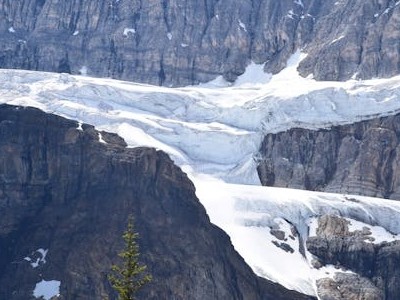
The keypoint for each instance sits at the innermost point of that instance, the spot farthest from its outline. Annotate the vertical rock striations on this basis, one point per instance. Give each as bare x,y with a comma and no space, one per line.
177,42
361,158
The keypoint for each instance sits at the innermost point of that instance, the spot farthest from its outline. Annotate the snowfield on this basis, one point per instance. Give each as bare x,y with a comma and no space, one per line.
213,131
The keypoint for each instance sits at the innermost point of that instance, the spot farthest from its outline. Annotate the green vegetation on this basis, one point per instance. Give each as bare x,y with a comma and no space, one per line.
130,276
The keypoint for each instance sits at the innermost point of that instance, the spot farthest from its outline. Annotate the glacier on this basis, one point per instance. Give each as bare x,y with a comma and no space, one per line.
213,132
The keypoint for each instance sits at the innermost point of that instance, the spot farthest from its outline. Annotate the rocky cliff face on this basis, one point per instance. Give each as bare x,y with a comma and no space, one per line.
361,158
180,42
375,264
65,194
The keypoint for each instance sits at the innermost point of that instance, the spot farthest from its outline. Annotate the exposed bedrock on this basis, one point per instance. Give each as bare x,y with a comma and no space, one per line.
69,189
374,266
361,158
180,42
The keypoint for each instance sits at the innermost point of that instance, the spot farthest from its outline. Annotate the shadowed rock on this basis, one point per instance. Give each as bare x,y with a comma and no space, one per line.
361,158
64,190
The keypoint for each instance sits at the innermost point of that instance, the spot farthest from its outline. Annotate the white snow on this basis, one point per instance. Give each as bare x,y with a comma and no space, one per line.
242,25
213,131
183,45
76,32
291,14
169,35
101,139
299,2
253,76
11,29
83,71
40,260
47,289
337,39
247,213
127,31
377,234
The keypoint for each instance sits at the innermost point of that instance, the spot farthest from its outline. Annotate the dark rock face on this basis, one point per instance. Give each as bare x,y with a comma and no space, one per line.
181,42
63,190
361,158
376,265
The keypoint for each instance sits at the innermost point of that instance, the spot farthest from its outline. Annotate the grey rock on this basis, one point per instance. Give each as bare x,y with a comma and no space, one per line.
284,246
349,287
375,265
360,158
279,234
63,190
186,42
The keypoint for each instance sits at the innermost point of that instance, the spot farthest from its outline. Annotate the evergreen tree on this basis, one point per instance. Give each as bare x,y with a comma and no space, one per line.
130,276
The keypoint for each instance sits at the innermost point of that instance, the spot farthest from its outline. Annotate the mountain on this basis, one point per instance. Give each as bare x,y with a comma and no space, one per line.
215,136
186,42
66,193
239,102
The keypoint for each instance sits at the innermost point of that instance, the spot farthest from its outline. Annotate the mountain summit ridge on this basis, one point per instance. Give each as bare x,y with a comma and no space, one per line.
179,42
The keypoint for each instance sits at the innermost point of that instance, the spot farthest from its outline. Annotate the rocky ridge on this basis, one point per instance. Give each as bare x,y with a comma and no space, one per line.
360,158
374,273
66,192
186,42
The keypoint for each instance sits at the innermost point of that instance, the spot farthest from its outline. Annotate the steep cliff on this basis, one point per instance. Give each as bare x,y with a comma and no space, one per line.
361,158
66,191
180,42
375,264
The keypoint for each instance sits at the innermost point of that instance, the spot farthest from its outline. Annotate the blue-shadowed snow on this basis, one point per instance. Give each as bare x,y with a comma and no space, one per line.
214,131
47,289
40,257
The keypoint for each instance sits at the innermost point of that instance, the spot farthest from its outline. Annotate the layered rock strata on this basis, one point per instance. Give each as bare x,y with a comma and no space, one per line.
361,158
374,272
181,42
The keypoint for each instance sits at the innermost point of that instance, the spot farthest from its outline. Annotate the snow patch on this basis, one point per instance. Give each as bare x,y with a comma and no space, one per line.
377,234
291,14
11,29
83,71
101,139
76,32
254,75
242,25
40,259
337,39
169,35
47,289
299,2
127,31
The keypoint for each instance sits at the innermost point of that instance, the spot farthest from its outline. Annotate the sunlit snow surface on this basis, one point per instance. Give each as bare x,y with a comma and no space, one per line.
213,131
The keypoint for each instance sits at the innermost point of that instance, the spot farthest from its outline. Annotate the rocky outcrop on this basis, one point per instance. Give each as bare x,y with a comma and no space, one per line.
361,158
66,191
349,287
375,264
186,42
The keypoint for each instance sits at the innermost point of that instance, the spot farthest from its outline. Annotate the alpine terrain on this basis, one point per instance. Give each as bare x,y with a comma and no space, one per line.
255,142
